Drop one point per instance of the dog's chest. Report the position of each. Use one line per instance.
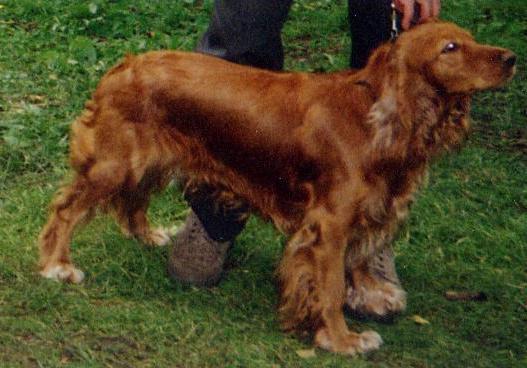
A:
(385, 206)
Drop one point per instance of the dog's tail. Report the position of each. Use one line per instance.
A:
(82, 138)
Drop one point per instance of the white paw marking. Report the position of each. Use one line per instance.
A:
(389, 299)
(369, 340)
(63, 273)
(160, 237)
(322, 340)
(358, 343)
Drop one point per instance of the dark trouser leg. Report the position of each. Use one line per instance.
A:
(370, 24)
(247, 32)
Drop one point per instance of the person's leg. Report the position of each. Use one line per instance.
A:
(370, 25)
(245, 32)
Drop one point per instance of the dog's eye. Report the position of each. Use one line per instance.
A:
(451, 46)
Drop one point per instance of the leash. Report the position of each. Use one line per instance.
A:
(394, 32)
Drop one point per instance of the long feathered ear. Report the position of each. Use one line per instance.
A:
(384, 122)
(390, 116)
(417, 100)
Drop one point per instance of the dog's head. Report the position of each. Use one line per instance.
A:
(424, 82)
(452, 61)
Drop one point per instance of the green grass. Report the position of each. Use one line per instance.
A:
(468, 230)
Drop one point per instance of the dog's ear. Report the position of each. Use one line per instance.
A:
(391, 115)
(383, 120)
(416, 100)
(407, 106)
(375, 71)
(378, 60)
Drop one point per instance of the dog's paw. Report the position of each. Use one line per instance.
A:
(384, 300)
(352, 343)
(369, 341)
(158, 237)
(63, 272)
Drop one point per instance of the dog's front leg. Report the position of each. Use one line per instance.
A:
(313, 289)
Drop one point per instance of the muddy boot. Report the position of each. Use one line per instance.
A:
(375, 289)
(195, 258)
(200, 247)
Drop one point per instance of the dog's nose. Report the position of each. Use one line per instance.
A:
(509, 59)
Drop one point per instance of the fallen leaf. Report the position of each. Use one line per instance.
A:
(419, 320)
(465, 296)
(36, 99)
(306, 354)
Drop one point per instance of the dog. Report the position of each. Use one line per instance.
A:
(334, 160)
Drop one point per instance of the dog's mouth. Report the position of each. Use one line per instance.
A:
(500, 82)
(506, 78)
(505, 68)
(510, 74)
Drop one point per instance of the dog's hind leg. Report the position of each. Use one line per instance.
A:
(72, 204)
(130, 209)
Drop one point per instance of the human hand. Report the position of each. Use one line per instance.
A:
(427, 9)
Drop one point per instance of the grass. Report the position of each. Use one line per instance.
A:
(468, 230)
